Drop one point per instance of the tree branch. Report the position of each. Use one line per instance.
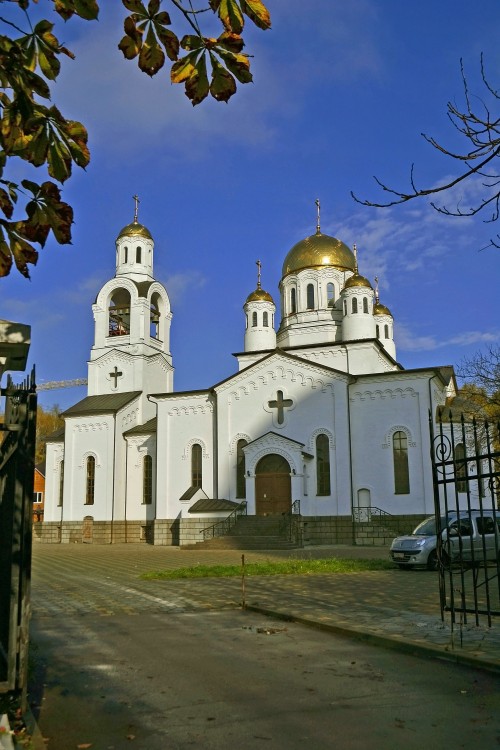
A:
(483, 134)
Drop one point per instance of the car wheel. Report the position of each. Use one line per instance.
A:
(432, 561)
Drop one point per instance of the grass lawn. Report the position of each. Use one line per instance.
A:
(286, 567)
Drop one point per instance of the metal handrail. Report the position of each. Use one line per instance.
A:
(291, 524)
(224, 526)
(364, 512)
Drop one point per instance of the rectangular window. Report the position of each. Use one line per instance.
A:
(310, 296)
(38, 497)
(401, 466)
(240, 470)
(90, 483)
(61, 483)
(147, 479)
(322, 465)
(196, 466)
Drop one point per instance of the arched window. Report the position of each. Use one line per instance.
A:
(196, 469)
(330, 294)
(61, 483)
(138, 254)
(293, 300)
(154, 316)
(386, 331)
(310, 296)
(254, 319)
(354, 305)
(400, 459)
(365, 304)
(119, 313)
(460, 468)
(147, 480)
(241, 489)
(378, 330)
(90, 481)
(265, 320)
(322, 465)
(125, 254)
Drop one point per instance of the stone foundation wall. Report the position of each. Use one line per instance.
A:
(317, 530)
(327, 530)
(99, 532)
(190, 529)
(165, 533)
(380, 532)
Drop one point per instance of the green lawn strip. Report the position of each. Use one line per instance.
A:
(287, 567)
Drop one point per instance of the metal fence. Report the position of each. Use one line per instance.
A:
(465, 455)
(17, 452)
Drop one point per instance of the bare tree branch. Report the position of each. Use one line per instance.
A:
(482, 131)
(482, 370)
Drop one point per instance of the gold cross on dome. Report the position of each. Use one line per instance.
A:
(136, 209)
(259, 267)
(318, 212)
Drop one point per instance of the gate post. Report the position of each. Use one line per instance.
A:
(17, 459)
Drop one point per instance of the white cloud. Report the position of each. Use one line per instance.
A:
(180, 284)
(410, 342)
(398, 241)
(126, 111)
(117, 102)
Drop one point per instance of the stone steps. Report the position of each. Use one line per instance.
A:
(249, 532)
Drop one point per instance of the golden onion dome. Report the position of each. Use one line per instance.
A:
(316, 251)
(380, 309)
(357, 280)
(135, 230)
(259, 295)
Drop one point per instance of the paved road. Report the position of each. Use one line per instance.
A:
(231, 679)
(126, 663)
(105, 580)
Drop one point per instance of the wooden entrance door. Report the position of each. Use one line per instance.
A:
(273, 487)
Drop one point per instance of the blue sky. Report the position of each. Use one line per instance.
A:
(342, 92)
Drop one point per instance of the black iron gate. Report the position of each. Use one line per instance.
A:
(17, 453)
(465, 455)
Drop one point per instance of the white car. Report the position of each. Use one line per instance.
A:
(470, 536)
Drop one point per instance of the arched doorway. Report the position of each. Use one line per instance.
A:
(273, 487)
(364, 505)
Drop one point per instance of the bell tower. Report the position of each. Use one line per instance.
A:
(132, 317)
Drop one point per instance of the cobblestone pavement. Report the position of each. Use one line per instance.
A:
(394, 608)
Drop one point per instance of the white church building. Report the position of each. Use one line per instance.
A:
(319, 417)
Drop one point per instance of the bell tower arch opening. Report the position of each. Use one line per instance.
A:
(119, 313)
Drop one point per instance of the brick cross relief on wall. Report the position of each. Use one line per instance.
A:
(280, 403)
